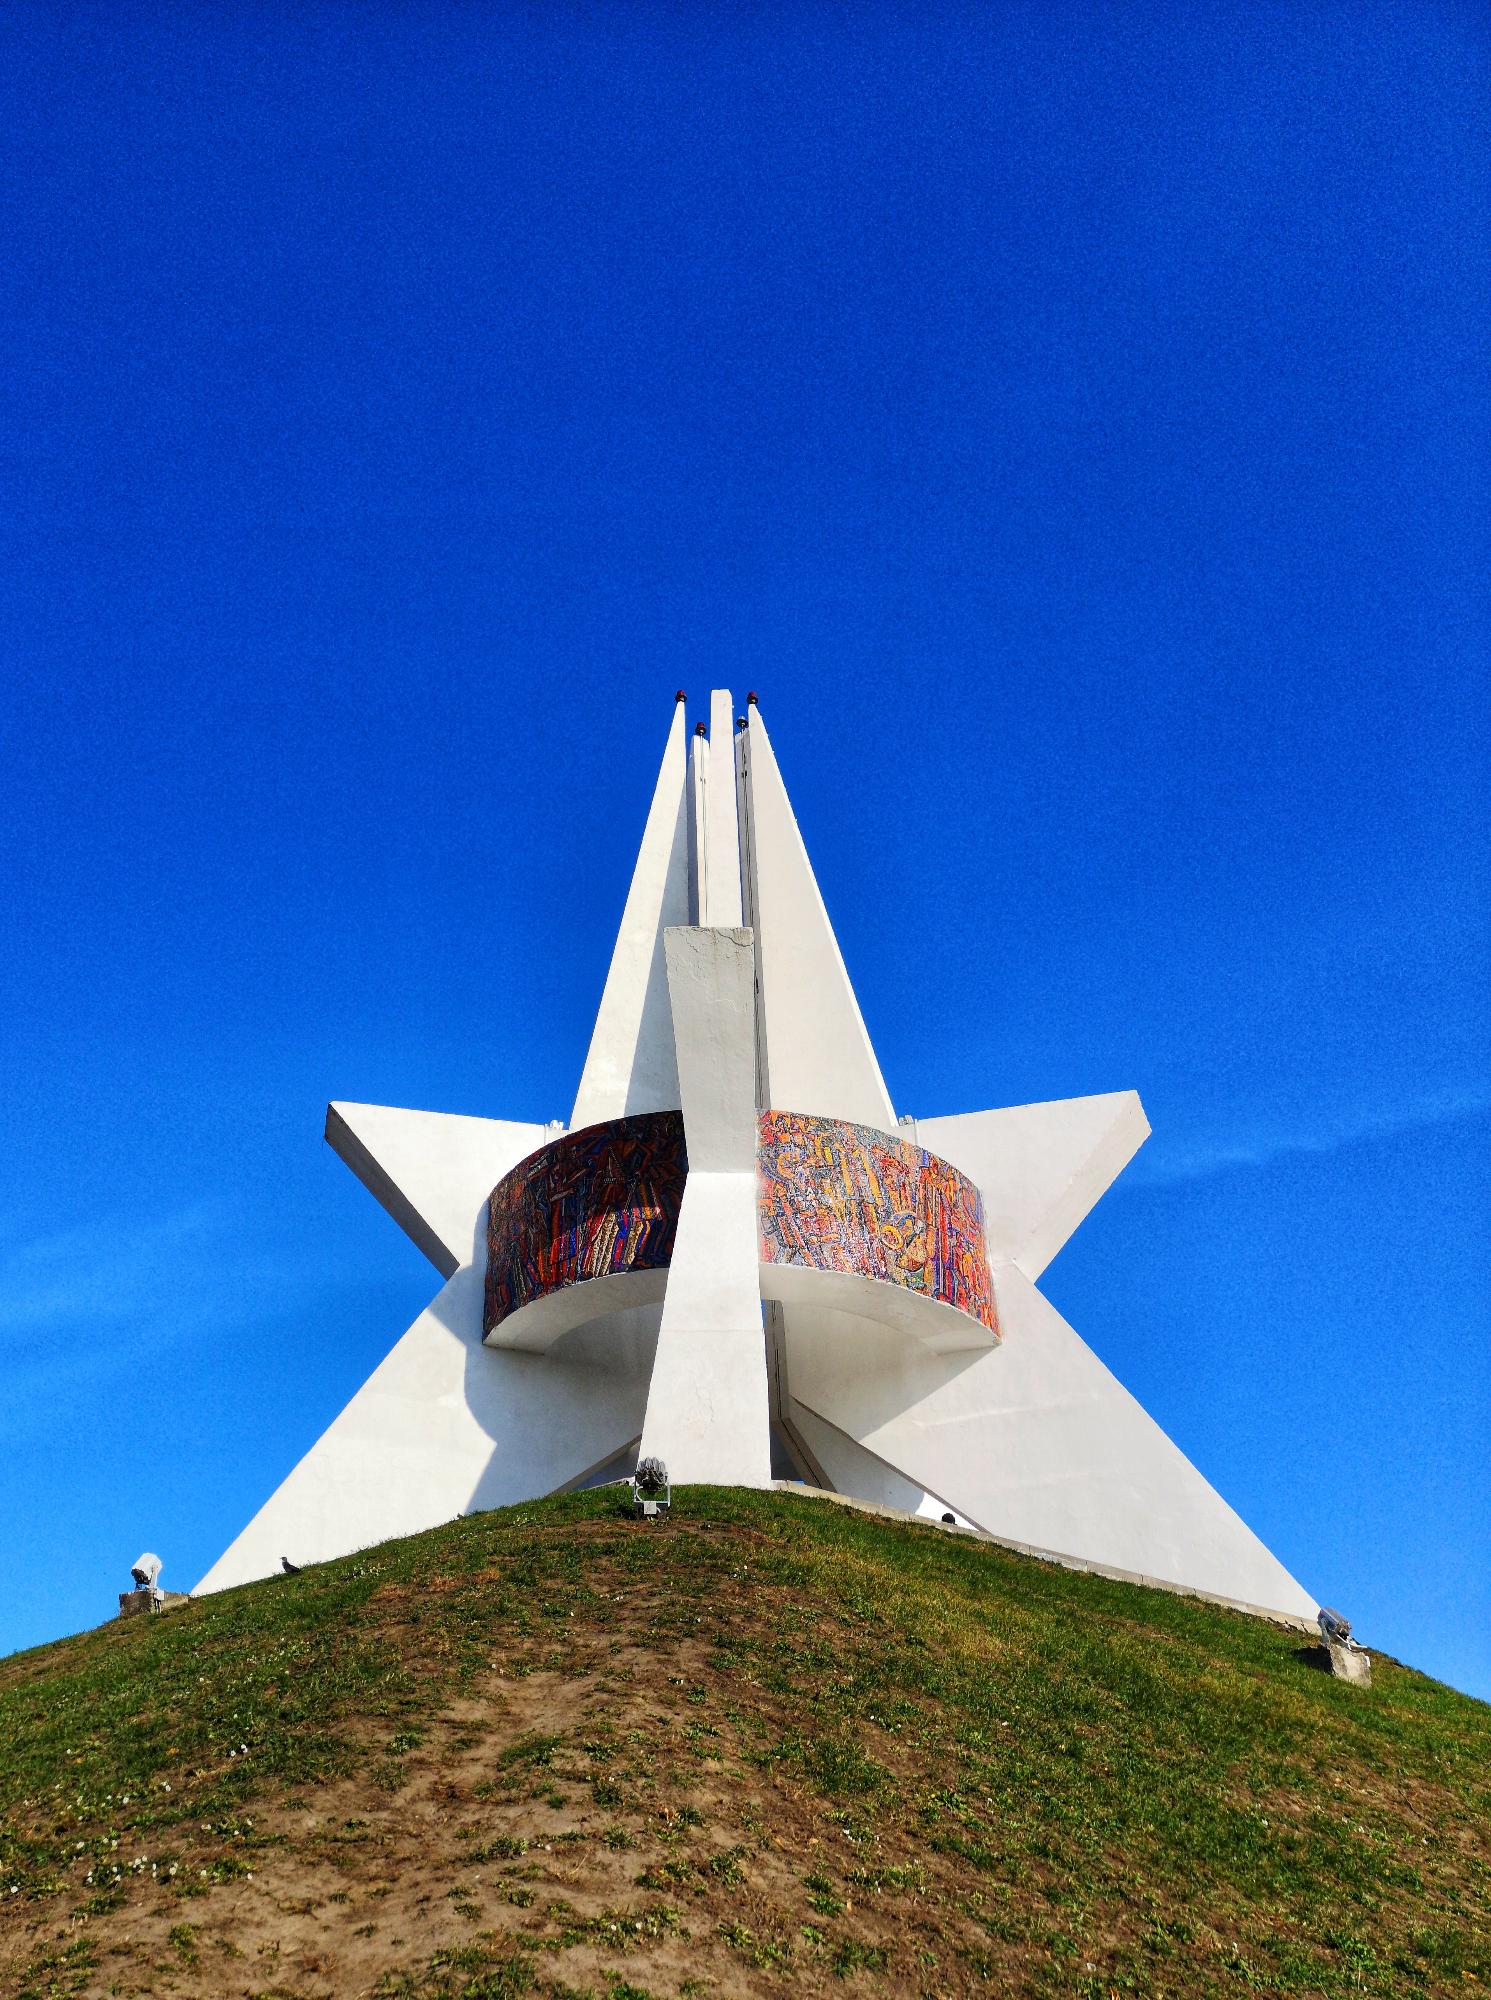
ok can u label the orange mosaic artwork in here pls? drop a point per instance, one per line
(844, 1197)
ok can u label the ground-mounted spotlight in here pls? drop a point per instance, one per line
(651, 1493)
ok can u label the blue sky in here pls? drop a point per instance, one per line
(1071, 420)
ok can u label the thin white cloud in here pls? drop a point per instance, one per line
(104, 1270)
(1200, 1160)
(116, 1274)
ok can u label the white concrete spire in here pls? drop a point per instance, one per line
(698, 795)
(708, 1414)
(631, 1065)
(815, 1054)
(719, 880)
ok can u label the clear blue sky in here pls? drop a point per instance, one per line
(1073, 420)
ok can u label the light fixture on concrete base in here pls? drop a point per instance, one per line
(737, 1256)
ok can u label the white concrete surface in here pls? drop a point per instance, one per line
(941, 1328)
(535, 1327)
(1032, 1441)
(708, 1415)
(698, 819)
(720, 893)
(815, 1055)
(432, 1171)
(444, 1426)
(708, 1406)
(630, 1066)
(852, 1470)
(1037, 1443)
(712, 990)
(1039, 1167)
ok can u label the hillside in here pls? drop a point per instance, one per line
(769, 1746)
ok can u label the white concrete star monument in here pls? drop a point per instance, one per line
(736, 1257)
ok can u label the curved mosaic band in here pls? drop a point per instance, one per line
(597, 1205)
(851, 1219)
(848, 1198)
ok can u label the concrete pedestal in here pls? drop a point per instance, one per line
(1350, 1663)
(133, 1602)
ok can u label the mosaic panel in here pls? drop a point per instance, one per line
(592, 1204)
(844, 1197)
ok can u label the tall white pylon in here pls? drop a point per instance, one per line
(631, 1065)
(815, 1053)
(736, 1256)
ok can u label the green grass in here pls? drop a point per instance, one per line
(1068, 1784)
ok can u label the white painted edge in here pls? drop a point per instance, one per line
(1286, 1620)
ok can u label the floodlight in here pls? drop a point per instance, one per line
(1335, 1629)
(651, 1493)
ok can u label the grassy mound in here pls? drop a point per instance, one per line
(770, 1745)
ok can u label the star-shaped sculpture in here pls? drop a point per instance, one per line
(736, 1257)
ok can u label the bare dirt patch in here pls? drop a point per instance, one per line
(605, 1825)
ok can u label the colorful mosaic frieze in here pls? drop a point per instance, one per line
(592, 1204)
(843, 1197)
(831, 1196)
